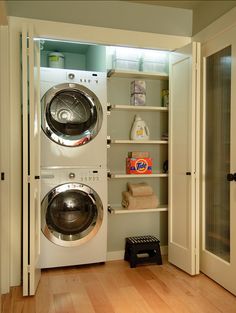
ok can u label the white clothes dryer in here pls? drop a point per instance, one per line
(73, 217)
(73, 118)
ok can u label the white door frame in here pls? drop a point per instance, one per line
(216, 268)
(5, 161)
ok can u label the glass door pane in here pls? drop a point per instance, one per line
(217, 190)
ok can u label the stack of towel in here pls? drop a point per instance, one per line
(139, 196)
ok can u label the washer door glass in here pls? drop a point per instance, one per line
(71, 214)
(71, 114)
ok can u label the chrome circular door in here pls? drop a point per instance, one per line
(71, 214)
(71, 114)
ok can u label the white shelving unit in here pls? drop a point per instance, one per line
(119, 210)
(137, 108)
(120, 175)
(139, 142)
(157, 117)
(137, 74)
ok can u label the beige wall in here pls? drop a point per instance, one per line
(208, 11)
(111, 14)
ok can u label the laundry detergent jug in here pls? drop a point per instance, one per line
(139, 130)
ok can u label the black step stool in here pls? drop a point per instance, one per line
(142, 249)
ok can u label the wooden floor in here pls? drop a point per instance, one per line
(116, 288)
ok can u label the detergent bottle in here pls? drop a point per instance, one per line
(139, 130)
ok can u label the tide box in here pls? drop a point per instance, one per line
(139, 165)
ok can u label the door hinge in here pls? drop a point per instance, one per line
(27, 51)
(28, 269)
(28, 179)
(2, 176)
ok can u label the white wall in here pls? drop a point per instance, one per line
(112, 14)
(4, 162)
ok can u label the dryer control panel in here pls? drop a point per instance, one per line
(84, 176)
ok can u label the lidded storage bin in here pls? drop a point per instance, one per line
(154, 61)
(126, 59)
(56, 60)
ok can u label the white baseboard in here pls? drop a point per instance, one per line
(119, 255)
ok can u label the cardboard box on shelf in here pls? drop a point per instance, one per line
(138, 154)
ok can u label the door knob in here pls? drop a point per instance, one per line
(231, 177)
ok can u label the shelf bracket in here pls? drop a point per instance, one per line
(108, 141)
(108, 174)
(109, 107)
(109, 209)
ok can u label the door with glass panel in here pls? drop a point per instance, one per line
(218, 255)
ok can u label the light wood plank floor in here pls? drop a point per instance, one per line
(116, 288)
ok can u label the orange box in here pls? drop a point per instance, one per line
(139, 165)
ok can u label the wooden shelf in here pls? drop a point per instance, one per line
(119, 210)
(136, 74)
(120, 175)
(138, 108)
(150, 142)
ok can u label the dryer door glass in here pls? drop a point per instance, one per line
(71, 114)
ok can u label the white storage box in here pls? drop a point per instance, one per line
(149, 66)
(126, 59)
(154, 62)
(125, 65)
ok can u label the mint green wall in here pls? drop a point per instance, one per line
(77, 56)
(96, 58)
(72, 60)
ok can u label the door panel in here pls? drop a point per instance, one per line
(218, 252)
(31, 160)
(184, 111)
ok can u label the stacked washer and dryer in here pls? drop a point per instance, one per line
(73, 168)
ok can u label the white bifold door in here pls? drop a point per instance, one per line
(218, 249)
(183, 242)
(31, 160)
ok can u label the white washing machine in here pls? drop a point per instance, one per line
(73, 217)
(73, 118)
